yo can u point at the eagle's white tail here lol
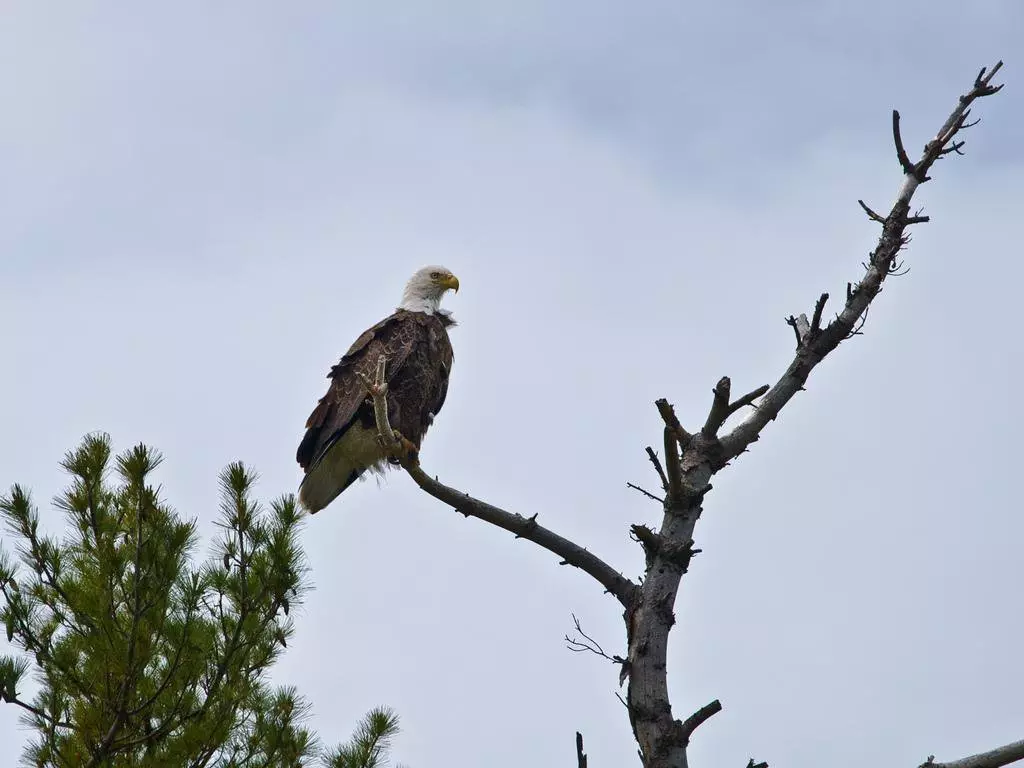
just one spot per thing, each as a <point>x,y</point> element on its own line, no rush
<point>344,462</point>
<point>319,488</point>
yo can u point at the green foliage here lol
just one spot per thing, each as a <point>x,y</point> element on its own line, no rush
<point>370,743</point>
<point>141,657</point>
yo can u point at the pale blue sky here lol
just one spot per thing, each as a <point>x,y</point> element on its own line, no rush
<point>201,206</point>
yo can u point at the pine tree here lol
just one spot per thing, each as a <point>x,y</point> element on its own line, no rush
<point>370,744</point>
<point>142,657</point>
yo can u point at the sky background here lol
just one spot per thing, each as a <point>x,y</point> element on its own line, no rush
<point>202,205</point>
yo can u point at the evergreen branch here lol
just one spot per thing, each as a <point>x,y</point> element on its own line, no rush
<point>41,714</point>
<point>370,743</point>
<point>172,669</point>
<point>127,683</point>
<point>29,640</point>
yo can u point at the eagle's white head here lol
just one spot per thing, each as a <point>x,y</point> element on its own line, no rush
<point>425,288</point>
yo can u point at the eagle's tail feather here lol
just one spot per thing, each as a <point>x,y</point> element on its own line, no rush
<point>319,488</point>
<point>340,464</point>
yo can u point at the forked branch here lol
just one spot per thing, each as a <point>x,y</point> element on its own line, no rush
<point>589,644</point>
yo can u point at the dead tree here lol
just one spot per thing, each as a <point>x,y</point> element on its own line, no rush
<point>689,460</point>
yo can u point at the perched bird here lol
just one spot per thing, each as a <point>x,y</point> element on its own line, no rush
<point>341,442</point>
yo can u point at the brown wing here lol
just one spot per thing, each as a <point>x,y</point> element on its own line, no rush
<point>394,336</point>
<point>418,392</point>
<point>446,356</point>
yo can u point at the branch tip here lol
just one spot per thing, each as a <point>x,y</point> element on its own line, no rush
<point>658,468</point>
<point>668,415</point>
<point>581,756</point>
<point>871,214</point>
<point>719,407</point>
<point>901,153</point>
<point>698,718</point>
<point>645,492</point>
<point>819,307</point>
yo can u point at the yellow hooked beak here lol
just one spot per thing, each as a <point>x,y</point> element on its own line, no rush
<point>451,281</point>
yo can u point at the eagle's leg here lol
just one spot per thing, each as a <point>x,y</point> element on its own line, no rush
<point>412,453</point>
<point>403,449</point>
<point>398,447</point>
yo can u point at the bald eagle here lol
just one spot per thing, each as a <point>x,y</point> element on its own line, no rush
<point>340,443</point>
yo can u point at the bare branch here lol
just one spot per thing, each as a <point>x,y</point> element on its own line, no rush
<point>801,327</point>
<point>645,492</point>
<point>658,468</point>
<point>668,415</point>
<point>747,399</point>
<point>719,407</point>
<point>581,756</point>
<point>722,408</point>
<point>698,718</point>
<point>674,465</point>
<point>901,153</point>
<point>589,644</point>
<point>812,348</point>
<point>527,528</point>
<point>871,214</point>
<point>819,307</point>
<point>996,758</point>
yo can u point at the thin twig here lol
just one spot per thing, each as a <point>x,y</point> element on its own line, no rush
<point>645,492</point>
<point>653,456</point>
<point>39,713</point>
<point>588,644</point>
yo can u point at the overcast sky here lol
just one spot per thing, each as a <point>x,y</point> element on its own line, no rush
<point>202,205</point>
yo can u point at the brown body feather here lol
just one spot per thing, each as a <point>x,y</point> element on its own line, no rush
<point>336,448</point>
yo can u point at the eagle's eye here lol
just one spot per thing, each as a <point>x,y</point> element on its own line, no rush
<point>435,275</point>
